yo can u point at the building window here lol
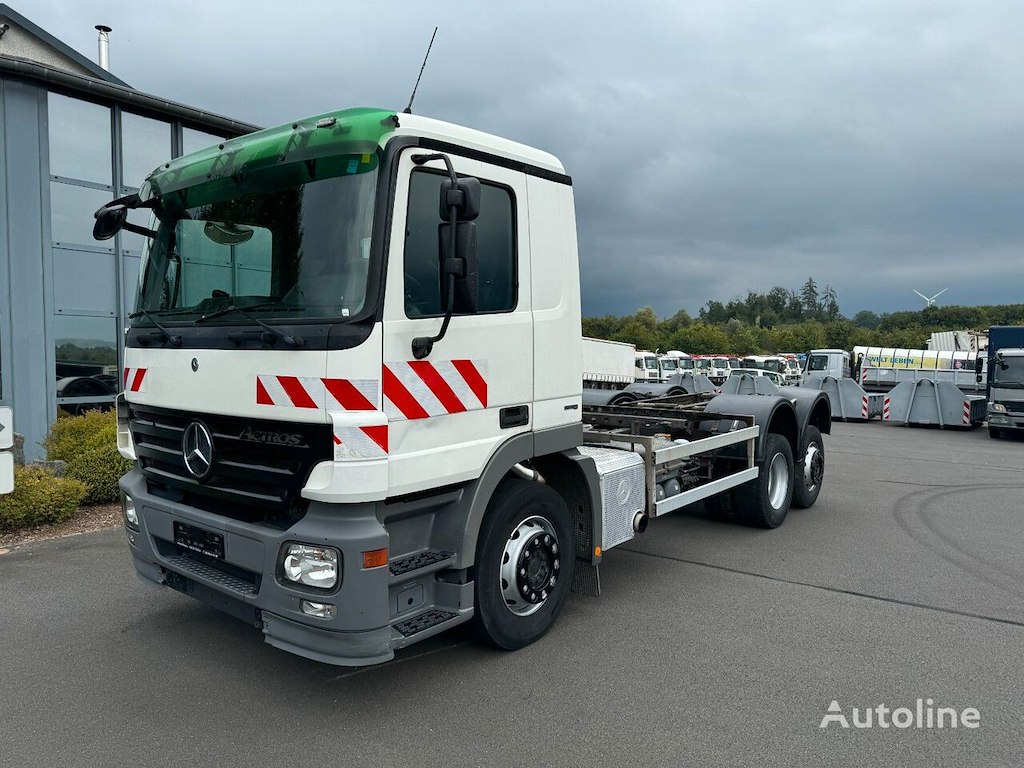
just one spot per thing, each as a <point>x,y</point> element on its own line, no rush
<point>495,235</point>
<point>79,134</point>
<point>145,145</point>
<point>86,357</point>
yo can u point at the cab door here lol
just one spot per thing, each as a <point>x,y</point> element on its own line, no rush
<point>449,412</point>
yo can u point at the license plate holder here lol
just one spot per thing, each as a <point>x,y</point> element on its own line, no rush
<point>198,540</point>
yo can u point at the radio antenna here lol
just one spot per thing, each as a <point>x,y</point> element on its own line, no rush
<point>408,109</point>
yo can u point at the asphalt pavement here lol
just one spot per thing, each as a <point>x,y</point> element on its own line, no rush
<point>711,644</point>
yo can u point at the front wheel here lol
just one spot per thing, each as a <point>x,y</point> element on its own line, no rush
<point>812,474</point>
<point>524,564</point>
<point>764,502</point>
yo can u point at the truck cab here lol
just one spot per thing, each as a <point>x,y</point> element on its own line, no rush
<point>827,362</point>
<point>1006,392</point>
<point>648,368</point>
<point>673,362</point>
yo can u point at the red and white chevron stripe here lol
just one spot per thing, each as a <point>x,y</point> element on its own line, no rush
<point>419,389</point>
<point>863,375</point>
<point>319,393</point>
<point>134,379</point>
<point>967,413</point>
<point>360,442</point>
<point>864,406</point>
<point>886,401</point>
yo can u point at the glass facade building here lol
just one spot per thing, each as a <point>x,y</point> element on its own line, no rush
<point>72,138</point>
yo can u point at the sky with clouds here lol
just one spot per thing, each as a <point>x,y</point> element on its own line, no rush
<point>715,147</point>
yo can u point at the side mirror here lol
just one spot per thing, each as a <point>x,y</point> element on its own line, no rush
<point>110,220</point>
<point>463,264</point>
<point>465,196</point>
<point>979,365</point>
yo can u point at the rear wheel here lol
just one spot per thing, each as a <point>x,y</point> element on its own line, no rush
<point>722,506</point>
<point>812,469</point>
<point>764,502</point>
<point>524,564</point>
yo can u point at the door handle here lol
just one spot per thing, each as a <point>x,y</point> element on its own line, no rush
<point>514,416</point>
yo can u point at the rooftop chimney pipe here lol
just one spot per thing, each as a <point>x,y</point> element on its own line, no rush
<point>104,46</point>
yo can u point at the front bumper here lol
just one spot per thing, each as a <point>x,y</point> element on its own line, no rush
<point>1009,420</point>
<point>245,583</point>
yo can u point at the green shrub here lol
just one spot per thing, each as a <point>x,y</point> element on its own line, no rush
<point>88,443</point>
<point>72,435</point>
<point>99,469</point>
<point>39,498</point>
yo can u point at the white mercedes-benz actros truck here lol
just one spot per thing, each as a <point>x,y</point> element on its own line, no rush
<point>352,390</point>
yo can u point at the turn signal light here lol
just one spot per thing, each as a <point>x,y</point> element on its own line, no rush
<point>375,558</point>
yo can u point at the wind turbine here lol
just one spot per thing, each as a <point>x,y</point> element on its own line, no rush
<point>929,302</point>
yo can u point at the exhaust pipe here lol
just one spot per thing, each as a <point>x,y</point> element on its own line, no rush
<point>640,522</point>
<point>104,44</point>
<point>528,474</point>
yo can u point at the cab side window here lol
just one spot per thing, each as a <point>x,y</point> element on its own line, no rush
<point>495,235</point>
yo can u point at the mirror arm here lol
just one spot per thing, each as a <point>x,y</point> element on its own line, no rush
<point>424,345</point>
<point>138,230</point>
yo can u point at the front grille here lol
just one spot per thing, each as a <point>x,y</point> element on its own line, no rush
<point>1014,406</point>
<point>254,478</point>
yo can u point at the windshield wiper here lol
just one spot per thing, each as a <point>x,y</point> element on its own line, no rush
<point>165,335</point>
<point>292,341</point>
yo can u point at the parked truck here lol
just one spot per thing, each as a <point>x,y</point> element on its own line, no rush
<point>647,368</point>
<point>362,423</point>
<point>1005,380</point>
<point>674,362</point>
<point>608,364</point>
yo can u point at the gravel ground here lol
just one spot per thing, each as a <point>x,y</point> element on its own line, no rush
<point>85,520</point>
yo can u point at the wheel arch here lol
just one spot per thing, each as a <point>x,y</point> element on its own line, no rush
<point>553,453</point>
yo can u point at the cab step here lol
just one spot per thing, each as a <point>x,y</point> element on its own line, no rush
<point>418,561</point>
<point>424,621</point>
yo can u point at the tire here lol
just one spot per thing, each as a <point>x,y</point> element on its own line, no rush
<point>995,434</point>
<point>526,524</point>
<point>623,399</point>
<point>764,502</point>
<point>722,506</point>
<point>811,473</point>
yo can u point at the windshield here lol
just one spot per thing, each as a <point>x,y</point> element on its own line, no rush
<point>719,362</point>
<point>778,366</point>
<point>651,363</point>
<point>817,362</point>
<point>294,240</point>
<point>668,364</point>
<point>684,364</point>
<point>1009,372</point>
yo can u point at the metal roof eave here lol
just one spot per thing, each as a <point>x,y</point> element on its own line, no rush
<point>123,94</point>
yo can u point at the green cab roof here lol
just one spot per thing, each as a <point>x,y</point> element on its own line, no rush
<point>357,131</point>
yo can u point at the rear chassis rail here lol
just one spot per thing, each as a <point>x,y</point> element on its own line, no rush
<point>645,425</point>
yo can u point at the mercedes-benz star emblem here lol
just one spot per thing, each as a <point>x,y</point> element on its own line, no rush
<point>197,448</point>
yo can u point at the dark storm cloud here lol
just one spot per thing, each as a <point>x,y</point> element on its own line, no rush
<point>715,147</point>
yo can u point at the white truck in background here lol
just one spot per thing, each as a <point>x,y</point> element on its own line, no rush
<point>647,368</point>
<point>382,433</point>
<point>673,362</point>
<point>608,364</point>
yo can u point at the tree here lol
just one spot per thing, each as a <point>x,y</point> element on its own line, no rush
<point>866,319</point>
<point>809,300</point>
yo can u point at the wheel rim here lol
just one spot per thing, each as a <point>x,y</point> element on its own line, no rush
<point>529,566</point>
<point>778,481</point>
<point>814,467</point>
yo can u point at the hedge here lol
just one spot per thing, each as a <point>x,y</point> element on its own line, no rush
<point>39,498</point>
<point>88,443</point>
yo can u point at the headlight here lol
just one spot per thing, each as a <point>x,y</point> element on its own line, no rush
<point>131,517</point>
<point>997,408</point>
<point>312,566</point>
